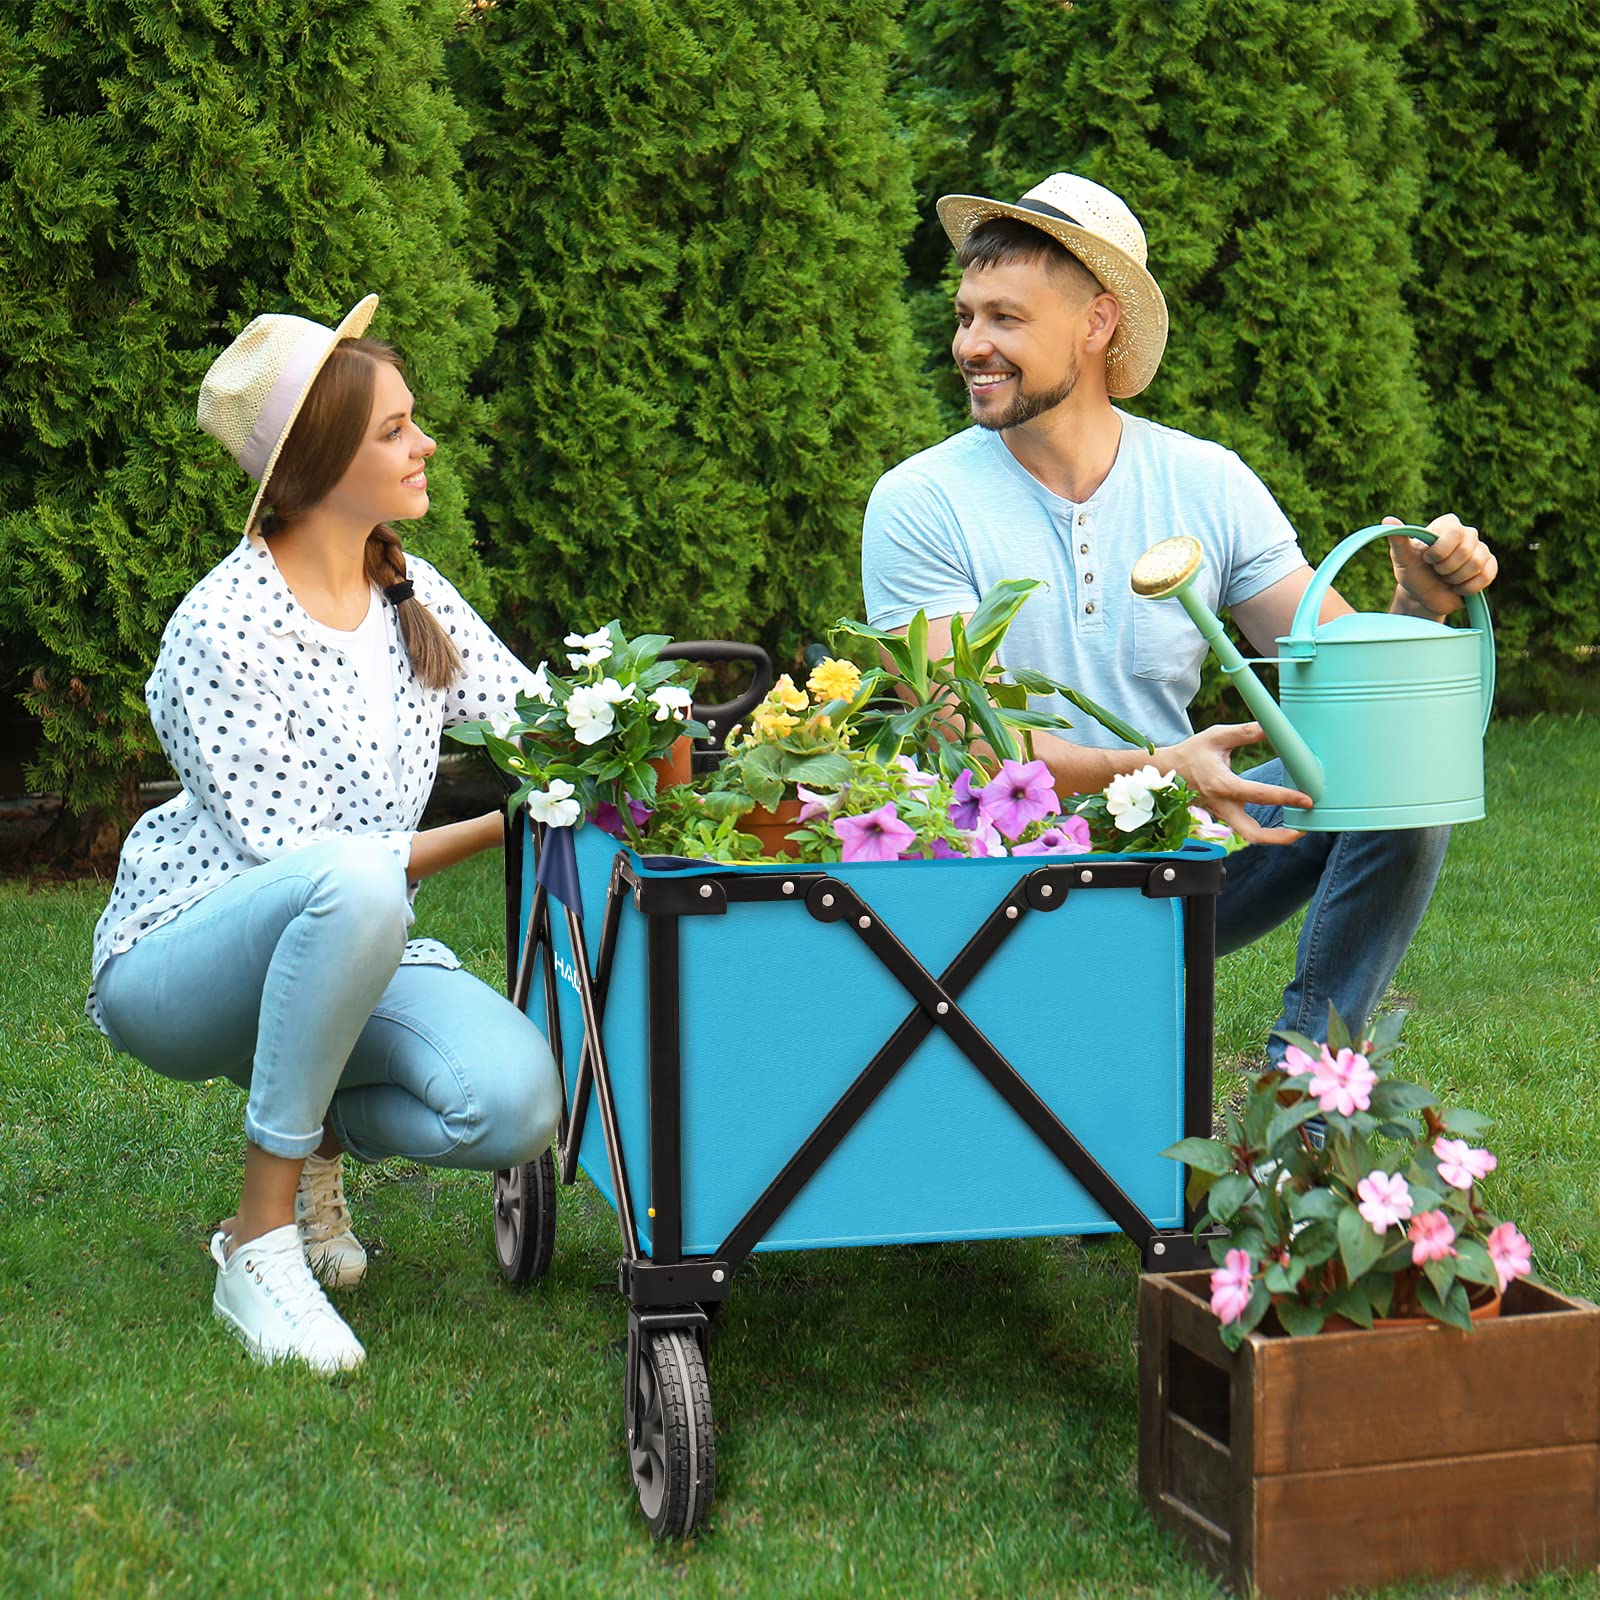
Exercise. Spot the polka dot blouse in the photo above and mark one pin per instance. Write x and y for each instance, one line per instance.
(264, 721)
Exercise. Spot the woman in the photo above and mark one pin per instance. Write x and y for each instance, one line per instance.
(257, 928)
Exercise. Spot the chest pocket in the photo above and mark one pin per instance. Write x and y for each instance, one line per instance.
(1167, 647)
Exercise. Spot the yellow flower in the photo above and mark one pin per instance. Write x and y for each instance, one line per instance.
(783, 693)
(768, 722)
(834, 680)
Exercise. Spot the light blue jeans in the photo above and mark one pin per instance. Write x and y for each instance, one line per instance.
(288, 980)
(1366, 892)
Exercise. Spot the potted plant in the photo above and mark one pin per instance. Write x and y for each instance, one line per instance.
(1322, 1411)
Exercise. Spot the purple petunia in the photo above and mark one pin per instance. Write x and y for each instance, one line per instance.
(1069, 837)
(1019, 794)
(609, 820)
(965, 807)
(878, 836)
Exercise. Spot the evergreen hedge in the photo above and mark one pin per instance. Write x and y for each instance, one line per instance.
(697, 209)
(166, 174)
(1271, 151)
(1507, 306)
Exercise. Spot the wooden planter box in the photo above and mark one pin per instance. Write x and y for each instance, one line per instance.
(1298, 1468)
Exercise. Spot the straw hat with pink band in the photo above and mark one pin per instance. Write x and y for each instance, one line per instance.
(1100, 230)
(254, 391)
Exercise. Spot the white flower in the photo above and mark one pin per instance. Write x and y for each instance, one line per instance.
(1130, 797)
(589, 649)
(614, 693)
(503, 723)
(554, 805)
(590, 714)
(539, 689)
(671, 701)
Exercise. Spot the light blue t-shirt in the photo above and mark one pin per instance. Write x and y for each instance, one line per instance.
(946, 525)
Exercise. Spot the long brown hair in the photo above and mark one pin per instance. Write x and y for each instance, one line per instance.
(322, 443)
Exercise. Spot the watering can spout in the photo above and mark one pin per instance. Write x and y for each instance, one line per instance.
(1170, 568)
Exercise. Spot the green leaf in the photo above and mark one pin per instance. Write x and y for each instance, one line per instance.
(1351, 1301)
(1452, 1308)
(1108, 720)
(1300, 1320)
(987, 625)
(1386, 1032)
(896, 647)
(975, 703)
(1208, 1155)
(1380, 1292)
(1359, 1245)
(1465, 1124)
(1229, 1194)
(1314, 1204)
(1316, 1243)
(1199, 1185)
(466, 733)
(917, 649)
(1338, 1033)
(960, 655)
(826, 771)
(1299, 1041)
(1441, 1274)
(1395, 1097)
(1288, 1119)
(1474, 1264)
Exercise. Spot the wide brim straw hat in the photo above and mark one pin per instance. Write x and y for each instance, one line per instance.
(1100, 230)
(254, 390)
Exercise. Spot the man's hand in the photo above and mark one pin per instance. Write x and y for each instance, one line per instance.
(1205, 760)
(1436, 578)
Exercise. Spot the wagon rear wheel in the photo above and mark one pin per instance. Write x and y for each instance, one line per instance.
(672, 1453)
(525, 1218)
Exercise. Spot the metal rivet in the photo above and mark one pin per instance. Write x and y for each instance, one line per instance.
(1045, 891)
(1086, 876)
(1169, 874)
(788, 888)
(652, 1211)
(717, 1274)
(865, 922)
(711, 722)
(827, 899)
(1011, 912)
(942, 1007)
(1158, 1248)
(705, 891)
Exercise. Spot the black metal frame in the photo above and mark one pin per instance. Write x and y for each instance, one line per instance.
(665, 1289)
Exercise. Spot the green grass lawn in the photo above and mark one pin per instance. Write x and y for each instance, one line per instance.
(948, 1420)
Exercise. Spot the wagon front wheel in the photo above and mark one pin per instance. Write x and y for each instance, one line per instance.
(672, 1452)
(525, 1218)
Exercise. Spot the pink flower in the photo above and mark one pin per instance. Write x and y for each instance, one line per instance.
(1297, 1063)
(609, 820)
(1385, 1200)
(1432, 1237)
(878, 836)
(1460, 1166)
(1207, 827)
(1231, 1286)
(1020, 794)
(943, 850)
(916, 778)
(986, 840)
(1068, 837)
(1343, 1083)
(816, 805)
(1511, 1253)
(965, 807)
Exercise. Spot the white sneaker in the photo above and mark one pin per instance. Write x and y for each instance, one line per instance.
(323, 1220)
(269, 1299)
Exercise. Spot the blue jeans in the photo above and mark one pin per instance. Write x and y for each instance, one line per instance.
(1367, 894)
(288, 980)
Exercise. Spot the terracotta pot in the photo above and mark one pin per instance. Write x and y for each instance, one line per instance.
(1481, 1312)
(675, 766)
(771, 826)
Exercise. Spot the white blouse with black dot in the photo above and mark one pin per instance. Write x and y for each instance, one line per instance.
(264, 721)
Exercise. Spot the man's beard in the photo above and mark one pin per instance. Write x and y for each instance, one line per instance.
(1025, 407)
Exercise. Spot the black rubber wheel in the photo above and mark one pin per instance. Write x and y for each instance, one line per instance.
(673, 1455)
(525, 1218)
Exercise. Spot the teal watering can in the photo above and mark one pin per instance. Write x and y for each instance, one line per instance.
(1383, 716)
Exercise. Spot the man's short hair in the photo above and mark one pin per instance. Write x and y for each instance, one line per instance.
(1001, 241)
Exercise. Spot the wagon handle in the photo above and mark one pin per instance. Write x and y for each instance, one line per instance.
(720, 718)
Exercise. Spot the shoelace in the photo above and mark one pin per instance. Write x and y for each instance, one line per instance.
(327, 1215)
(286, 1277)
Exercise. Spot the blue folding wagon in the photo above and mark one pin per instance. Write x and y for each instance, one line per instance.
(1052, 1013)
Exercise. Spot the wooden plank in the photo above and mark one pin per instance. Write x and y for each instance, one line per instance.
(1152, 1323)
(1198, 1472)
(1511, 1514)
(1331, 1402)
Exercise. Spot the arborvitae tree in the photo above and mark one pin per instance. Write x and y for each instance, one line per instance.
(1270, 150)
(166, 173)
(698, 210)
(1508, 310)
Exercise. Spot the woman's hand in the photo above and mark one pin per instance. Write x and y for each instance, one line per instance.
(434, 849)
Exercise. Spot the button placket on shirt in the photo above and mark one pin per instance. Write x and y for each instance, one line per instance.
(1091, 612)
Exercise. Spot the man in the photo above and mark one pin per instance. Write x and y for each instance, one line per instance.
(1057, 316)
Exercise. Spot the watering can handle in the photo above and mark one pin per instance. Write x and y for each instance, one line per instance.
(1303, 630)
